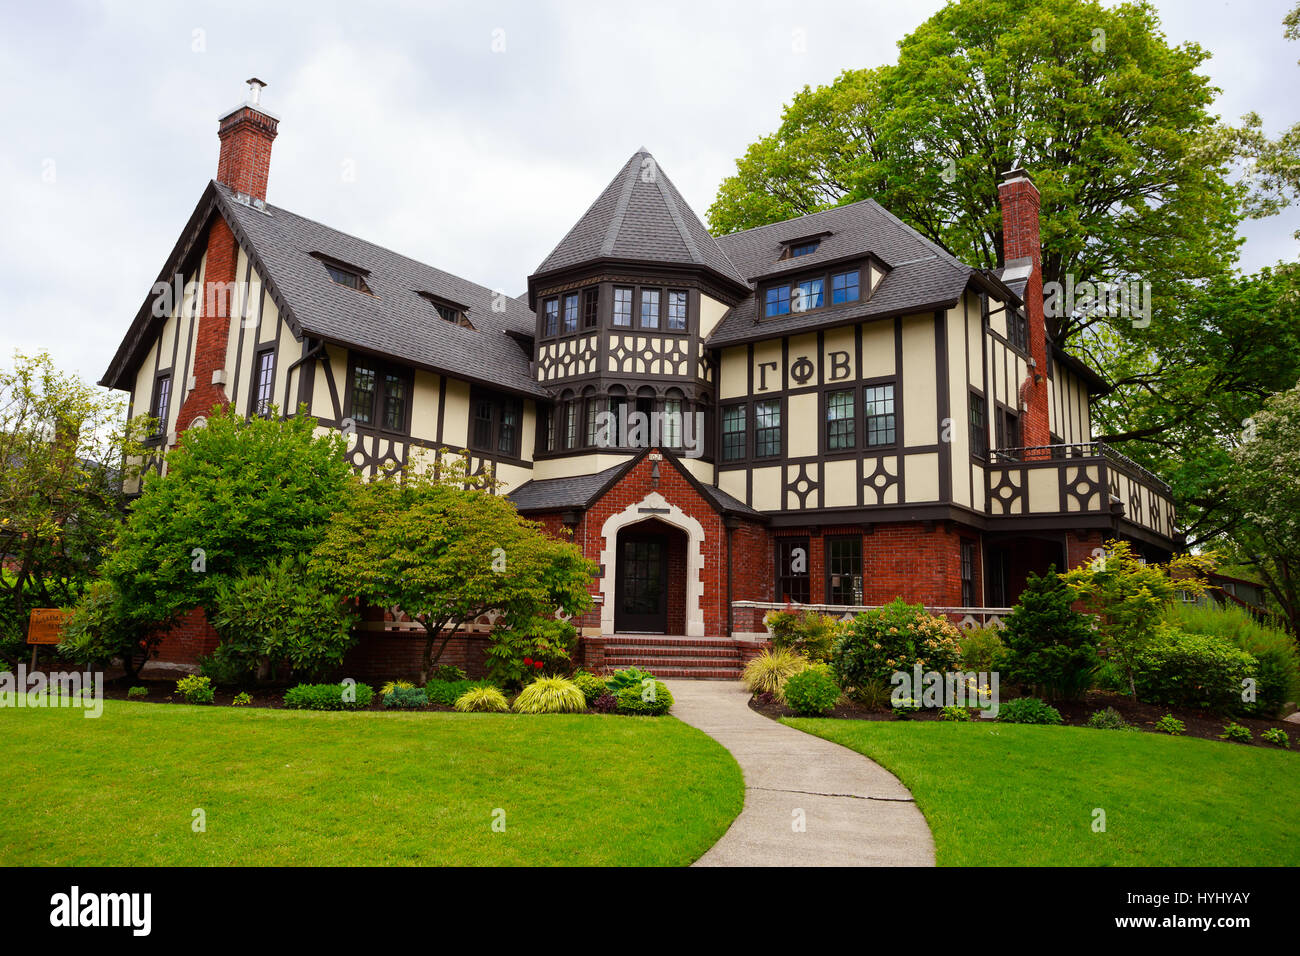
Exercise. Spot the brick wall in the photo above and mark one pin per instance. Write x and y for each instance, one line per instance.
(189, 639)
(1021, 238)
(245, 161)
(214, 327)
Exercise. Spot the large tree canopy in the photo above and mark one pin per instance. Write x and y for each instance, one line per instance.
(1112, 121)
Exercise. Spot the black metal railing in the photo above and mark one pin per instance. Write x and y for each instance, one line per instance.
(1078, 450)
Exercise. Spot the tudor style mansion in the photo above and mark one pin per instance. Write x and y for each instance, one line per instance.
(830, 410)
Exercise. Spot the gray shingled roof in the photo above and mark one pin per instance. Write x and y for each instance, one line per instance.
(559, 494)
(395, 320)
(640, 216)
(921, 277)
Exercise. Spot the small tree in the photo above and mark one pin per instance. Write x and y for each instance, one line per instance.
(1052, 646)
(1128, 595)
(448, 555)
(237, 495)
(65, 451)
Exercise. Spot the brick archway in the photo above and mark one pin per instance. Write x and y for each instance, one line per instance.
(654, 505)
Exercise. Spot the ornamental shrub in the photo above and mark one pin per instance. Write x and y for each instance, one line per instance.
(768, 672)
(606, 703)
(1028, 710)
(447, 692)
(392, 685)
(590, 685)
(135, 692)
(879, 642)
(628, 677)
(405, 698)
(537, 647)
(1051, 648)
(1191, 670)
(1235, 731)
(242, 699)
(1171, 725)
(345, 696)
(649, 701)
(812, 691)
(1277, 673)
(1107, 719)
(195, 689)
(482, 700)
(1276, 736)
(957, 714)
(982, 649)
(550, 695)
(805, 632)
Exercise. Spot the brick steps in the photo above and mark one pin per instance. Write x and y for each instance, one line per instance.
(676, 657)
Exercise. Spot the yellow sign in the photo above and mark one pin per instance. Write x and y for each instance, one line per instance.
(46, 626)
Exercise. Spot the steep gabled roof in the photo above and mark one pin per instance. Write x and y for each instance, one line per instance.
(640, 216)
(395, 320)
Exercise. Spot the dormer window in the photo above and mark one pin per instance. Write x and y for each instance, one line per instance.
(804, 248)
(446, 310)
(341, 273)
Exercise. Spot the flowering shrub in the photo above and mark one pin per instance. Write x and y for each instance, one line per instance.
(879, 642)
(537, 647)
(812, 691)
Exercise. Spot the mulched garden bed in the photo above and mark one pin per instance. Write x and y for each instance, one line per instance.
(1074, 714)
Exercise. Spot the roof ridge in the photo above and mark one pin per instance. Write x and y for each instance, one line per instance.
(620, 210)
(661, 182)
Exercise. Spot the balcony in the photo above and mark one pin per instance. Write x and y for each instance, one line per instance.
(1080, 485)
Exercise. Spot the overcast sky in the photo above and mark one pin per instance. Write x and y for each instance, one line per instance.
(473, 159)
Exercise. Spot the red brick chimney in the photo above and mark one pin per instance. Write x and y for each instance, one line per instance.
(246, 134)
(1022, 247)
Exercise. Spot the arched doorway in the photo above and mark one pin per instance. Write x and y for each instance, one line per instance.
(650, 579)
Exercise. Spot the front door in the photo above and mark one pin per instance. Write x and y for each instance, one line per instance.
(641, 592)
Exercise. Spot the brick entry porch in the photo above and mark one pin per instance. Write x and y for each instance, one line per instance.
(670, 656)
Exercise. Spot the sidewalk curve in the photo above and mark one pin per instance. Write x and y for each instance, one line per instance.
(853, 811)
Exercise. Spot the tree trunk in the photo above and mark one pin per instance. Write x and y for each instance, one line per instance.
(429, 659)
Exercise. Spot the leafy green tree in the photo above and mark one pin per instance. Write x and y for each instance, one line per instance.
(1112, 120)
(1266, 484)
(448, 555)
(65, 451)
(235, 496)
(1052, 646)
(1128, 596)
(279, 616)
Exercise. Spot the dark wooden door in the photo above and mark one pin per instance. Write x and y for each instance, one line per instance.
(641, 592)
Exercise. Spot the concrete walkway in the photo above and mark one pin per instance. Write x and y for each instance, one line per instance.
(854, 812)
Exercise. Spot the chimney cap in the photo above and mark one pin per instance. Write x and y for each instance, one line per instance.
(252, 101)
(1018, 172)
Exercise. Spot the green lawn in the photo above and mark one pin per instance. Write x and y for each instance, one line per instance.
(1016, 795)
(299, 788)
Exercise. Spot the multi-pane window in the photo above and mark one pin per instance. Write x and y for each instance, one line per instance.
(844, 570)
(551, 313)
(571, 425)
(623, 306)
(677, 311)
(1007, 429)
(807, 295)
(767, 428)
(495, 423)
(844, 287)
(649, 308)
(778, 300)
(548, 432)
(365, 385)
(733, 432)
(1018, 330)
(878, 403)
(672, 423)
(804, 248)
(590, 307)
(593, 414)
(162, 394)
(979, 429)
(571, 312)
(264, 375)
(840, 420)
(380, 396)
(968, 574)
(793, 582)
(394, 402)
(344, 276)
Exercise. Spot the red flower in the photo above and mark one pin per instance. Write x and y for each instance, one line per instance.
(537, 664)
(528, 662)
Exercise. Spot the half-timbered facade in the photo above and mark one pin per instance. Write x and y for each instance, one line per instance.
(830, 410)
